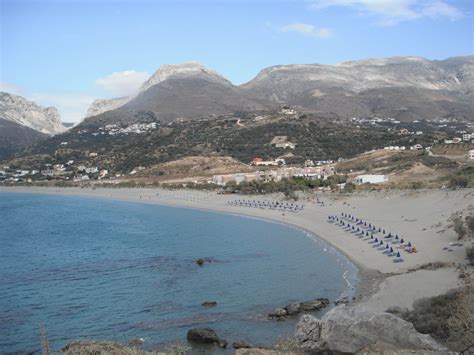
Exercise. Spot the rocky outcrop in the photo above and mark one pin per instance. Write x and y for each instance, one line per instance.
(351, 329)
(205, 336)
(27, 113)
(298, 307)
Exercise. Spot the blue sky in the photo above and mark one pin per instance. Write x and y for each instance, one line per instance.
(68, 52)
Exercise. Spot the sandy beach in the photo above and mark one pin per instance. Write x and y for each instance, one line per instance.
(420, 217)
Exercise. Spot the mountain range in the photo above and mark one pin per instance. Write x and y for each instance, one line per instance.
(402, 88)
(405, 88)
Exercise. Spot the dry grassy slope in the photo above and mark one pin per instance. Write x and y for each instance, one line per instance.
(401, 166)
(373, 161)
(195, 166)
(452, 149)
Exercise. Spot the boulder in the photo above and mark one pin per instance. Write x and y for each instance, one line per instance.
(293, 308)
(314, 305)
(240, 344)
(351, 329)
(205, 336)
(278, 313)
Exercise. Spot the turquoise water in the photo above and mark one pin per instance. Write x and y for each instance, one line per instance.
(111, 270)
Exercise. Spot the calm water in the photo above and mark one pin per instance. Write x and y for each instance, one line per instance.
(90, 268)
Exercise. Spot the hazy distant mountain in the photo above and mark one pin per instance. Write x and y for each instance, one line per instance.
(27, 113)
(14, 137)
(103, 105)
(182, 90)
(406, 88)
(399, 87)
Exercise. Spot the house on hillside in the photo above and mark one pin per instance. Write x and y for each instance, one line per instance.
(370, 179)
(260, 162)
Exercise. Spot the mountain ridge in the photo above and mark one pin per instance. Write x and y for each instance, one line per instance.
(27, 113)
(398, 86)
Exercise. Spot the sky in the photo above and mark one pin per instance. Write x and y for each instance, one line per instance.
(66, 53)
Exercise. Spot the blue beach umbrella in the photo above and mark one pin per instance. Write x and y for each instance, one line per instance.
(409, 244)
(376, 240)
(402, 241)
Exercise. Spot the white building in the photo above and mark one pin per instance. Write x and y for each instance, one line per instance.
(371, 179)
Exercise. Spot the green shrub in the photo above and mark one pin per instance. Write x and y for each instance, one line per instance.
(458, 182)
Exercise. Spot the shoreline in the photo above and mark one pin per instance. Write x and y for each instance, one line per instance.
(375, 287)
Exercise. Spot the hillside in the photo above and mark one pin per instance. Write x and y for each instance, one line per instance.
(15, 137)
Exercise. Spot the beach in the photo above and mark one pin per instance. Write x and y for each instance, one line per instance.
(421, 217)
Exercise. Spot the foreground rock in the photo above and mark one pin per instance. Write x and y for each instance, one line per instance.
(205, 336)
(240, 344)
(351, 329)
(99, 347)
(298, 307)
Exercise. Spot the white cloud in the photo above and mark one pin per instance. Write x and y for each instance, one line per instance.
(122, 83)
(391, 12)
(307, 30)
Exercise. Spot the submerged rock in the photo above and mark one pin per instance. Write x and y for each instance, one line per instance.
(209, 304)
(205, 336)
(351, 329)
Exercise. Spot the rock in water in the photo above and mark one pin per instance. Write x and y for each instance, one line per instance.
(293, 308)
(205, 336)
(314, 305)
(209, 304)
(351, 329)
(200, 261)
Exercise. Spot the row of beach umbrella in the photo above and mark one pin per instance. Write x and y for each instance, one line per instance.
(272, 205)
(376, 236)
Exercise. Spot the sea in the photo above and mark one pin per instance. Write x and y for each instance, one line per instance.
(98, 269)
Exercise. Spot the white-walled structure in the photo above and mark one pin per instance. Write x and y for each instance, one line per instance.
(371, 179)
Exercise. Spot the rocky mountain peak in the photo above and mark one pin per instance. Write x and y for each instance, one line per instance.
(27, 113)
(193, 68)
